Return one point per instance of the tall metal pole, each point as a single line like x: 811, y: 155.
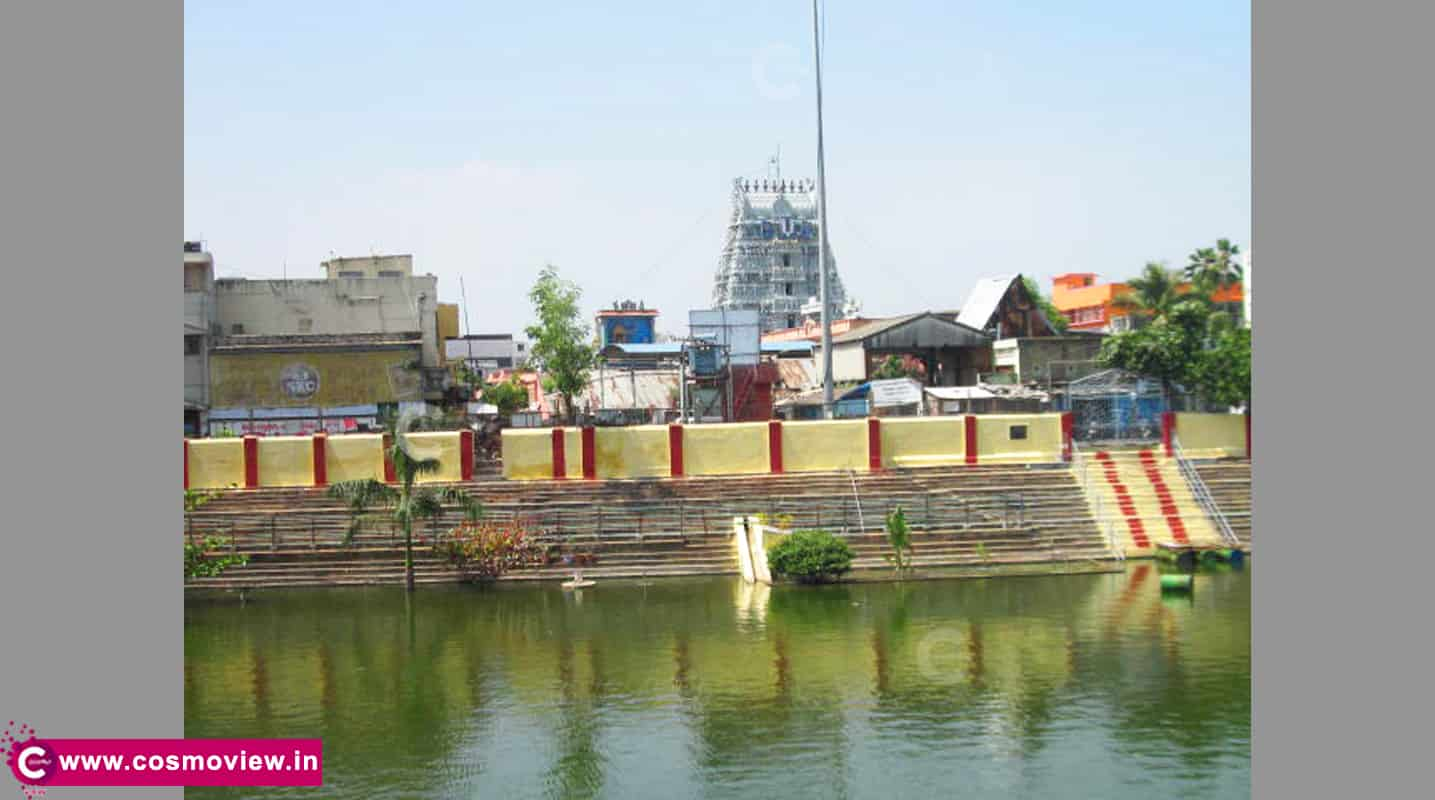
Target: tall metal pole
x: 822, y: 232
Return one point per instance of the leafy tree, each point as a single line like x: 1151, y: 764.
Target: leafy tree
x: 1049, y: 310
x: 810, y: 557
x: 1152, y: 295
x: 1166, y: 349
x: 561, y: 344
x: 899, y: 537
x: 1213, y: 268
x: 509, y: 396
x: 1222, y: 374
x: 406, y: 502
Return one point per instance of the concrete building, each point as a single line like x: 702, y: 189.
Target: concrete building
x: 627, y: 322
x: 486, y: 352
x: 769, y: 260
x: 1089, y: 306
x: 396, y: 266
x: 198, y: 322
x: 336, y: 353
x: 1046, y: 359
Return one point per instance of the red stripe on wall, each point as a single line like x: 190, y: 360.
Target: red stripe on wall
x: 390, y: 476
x: 1066, y: 424
x: 560, y: 456
x: 251, y: 462
x: 970, y: 437
x: 1168, y: 427
x: 774, y: 445
x: 321, y: 460
x: 465, y: 455
x: 874, y: 444
x: 186, y: 463
x: 590, y: 470
x: 675, y: 450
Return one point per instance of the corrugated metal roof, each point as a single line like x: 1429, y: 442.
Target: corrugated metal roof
x: 984, y: 299
x: 883, y: 326
x: 787, y: 347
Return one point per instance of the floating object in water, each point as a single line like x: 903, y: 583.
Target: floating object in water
x: 577, y: 582
x: 1177, y: 583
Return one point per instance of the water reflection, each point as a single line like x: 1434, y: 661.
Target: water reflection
x: 1088, y: 685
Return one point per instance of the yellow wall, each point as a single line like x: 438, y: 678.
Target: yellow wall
x: 573, y: 452
x: 241, y: 380
x: 824, y: 445
x: 446, y: 446
x: 638, y: 451
x: 447, y: 314
x: 732, y: 449
x: 527, y: 454
x: 1042, y: 442
x: 923, y: 441
x: 1212, y: 435
x: 354, y: 457
x: 216, y: 463
x: 286, y: 461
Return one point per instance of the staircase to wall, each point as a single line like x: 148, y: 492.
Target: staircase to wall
x: 1229, y: 482
x: 1143, y: 498
x: 994, y: 514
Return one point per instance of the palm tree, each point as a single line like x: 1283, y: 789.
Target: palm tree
x: 408, y: 504
x: 1213, y: 268
x: 1153, y: 294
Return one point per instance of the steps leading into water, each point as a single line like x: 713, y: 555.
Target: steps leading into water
x: 986, y: 514
x: 1141, y: 495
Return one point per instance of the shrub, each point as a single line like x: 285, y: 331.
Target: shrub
x: 810, y: 557
x: 199, y: 563
x: 899, y: 536
x: 485, y: 550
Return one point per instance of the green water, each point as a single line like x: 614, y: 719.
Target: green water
x: 1076, y: 686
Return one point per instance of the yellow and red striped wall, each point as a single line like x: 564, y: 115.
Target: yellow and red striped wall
x: 660, y: 451
x: 318, y: 460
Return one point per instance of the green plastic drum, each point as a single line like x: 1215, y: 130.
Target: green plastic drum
x: 1177, y: 583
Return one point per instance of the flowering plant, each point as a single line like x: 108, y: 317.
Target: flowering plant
x: 486, y: 549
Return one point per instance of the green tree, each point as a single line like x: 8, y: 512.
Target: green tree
x: 406, y: 502
x: 1165, y: 350
x: 561, y: 346
x: 899, y: 537
x: 1222, y: 374
x: 1049, y: 310
x: 1152, y: 295
x: 1213, y: 268
x: 509, y: 396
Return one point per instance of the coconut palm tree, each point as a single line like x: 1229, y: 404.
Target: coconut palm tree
x: 1153, y: 294
x: 1213, y: 268
x: 406, y: 502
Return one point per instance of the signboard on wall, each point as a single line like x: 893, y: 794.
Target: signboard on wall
x: 895, y: 392
x: 290, y: 427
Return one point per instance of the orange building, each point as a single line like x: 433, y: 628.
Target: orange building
x: 1088, y: 304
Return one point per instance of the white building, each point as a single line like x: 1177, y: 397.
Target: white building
x: 198, y: 322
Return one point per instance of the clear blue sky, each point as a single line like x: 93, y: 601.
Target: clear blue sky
x: 963, y: 139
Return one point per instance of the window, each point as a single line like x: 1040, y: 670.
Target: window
x: 192, y: 344
x: 350, y: 273
x: 236, y: 329
x: 306, y: 325
x: 1017, y: 432
x: 791, y: 318
x: 786, y: 260
x: 787, y: 289
x: 390, y: 273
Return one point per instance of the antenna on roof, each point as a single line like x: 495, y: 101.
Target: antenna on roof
x: 774, y: 165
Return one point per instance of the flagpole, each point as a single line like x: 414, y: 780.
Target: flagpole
x: 822, y: 232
